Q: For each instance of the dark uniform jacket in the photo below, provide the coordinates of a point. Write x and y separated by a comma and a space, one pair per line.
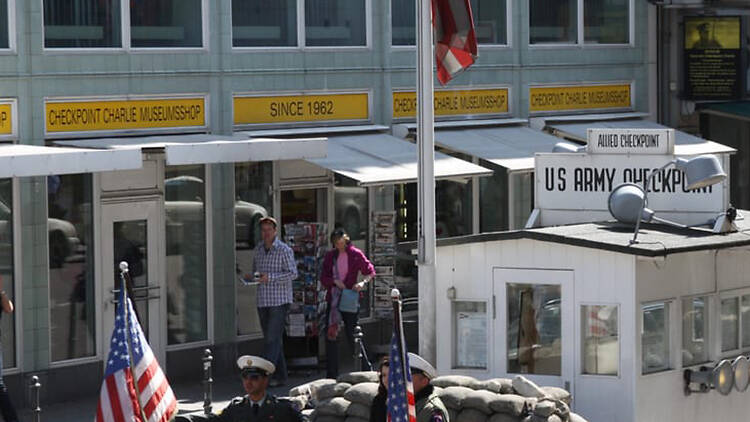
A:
241, 410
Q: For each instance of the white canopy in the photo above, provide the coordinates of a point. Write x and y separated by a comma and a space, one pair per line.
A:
32, 160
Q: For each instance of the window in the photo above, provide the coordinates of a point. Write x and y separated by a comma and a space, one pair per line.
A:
601, 346
745, 321
335, 23
490, 21
730, 324
99, 24
655, 337
260, 23
493, 201
71, 267
534, 329
82, 24
253, 187
184, 204
4, 25
8, 324
557, 21
694, 331
470, 335
452, 209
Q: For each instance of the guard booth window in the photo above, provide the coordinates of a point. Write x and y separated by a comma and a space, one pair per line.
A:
695, 325
601, 345
7, 325
80, 24
534, 329
655, 337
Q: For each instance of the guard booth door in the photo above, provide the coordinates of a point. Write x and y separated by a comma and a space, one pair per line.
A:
534, 325
131, 231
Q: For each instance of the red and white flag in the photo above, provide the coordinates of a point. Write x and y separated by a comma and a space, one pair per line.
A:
118, 400
455, 40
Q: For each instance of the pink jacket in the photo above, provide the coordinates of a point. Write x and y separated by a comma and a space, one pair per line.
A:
358, 262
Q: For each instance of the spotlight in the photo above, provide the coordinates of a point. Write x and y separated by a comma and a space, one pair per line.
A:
720, 378
741, 368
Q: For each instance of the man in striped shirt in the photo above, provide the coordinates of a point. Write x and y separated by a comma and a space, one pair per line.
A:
275, 262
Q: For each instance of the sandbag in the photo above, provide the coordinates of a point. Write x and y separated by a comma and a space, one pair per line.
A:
502, 417
554, 418
455, 381
358, 410
509, 404
525, 387
310, 388
453, 397
480, 400
545, 408
358, 377
335, 406
563, 411
575, 417
471, 415
362, 393
332, 390
452, 414
298, 402
558, 393
496, 385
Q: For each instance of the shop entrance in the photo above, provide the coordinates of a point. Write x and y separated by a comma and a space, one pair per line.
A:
131, 232
534, 328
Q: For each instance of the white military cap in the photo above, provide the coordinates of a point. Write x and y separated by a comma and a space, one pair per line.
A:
255, 365
417, 362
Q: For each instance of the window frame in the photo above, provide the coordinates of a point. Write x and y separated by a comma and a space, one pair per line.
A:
487, 338
301, 35
580, 28
730, 294
125, 36
582, 339
508, 36
712, 310
670, 335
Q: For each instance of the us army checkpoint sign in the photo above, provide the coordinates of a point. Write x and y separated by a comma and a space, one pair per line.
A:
571, 188
630, 141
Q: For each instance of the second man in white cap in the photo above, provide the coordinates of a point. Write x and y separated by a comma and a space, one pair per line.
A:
429, 407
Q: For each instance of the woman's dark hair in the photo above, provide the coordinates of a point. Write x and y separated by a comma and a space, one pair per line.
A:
338, 234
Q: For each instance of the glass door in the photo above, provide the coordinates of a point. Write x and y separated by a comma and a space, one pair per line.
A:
131, 233
534, 328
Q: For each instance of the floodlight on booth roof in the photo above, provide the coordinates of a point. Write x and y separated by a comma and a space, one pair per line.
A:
741, 368
627, 202
720, 378
568, 147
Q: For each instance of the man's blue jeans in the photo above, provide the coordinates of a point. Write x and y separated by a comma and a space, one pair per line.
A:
272, 321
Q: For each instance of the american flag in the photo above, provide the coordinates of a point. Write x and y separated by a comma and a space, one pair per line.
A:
118, 400
455, 40
400, 389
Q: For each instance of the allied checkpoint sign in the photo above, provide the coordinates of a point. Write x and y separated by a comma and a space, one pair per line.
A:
574, 187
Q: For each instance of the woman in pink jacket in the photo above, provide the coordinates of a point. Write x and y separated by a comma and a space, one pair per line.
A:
341, 267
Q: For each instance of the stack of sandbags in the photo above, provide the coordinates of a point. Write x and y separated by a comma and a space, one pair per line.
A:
348, 399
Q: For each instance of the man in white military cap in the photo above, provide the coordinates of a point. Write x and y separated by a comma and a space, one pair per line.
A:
257, 404
429, 407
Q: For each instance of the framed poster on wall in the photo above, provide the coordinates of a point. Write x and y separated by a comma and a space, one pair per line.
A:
712, 60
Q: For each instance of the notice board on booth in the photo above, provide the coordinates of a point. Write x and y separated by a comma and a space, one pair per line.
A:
712, 60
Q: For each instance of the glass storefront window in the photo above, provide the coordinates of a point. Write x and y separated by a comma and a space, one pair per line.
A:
470, 334
335, 23
82, 23
521, 184
493, 201
730, 324
453, 208
601, 343
490, 21
253, 187
185, 203
655, 337
166, 23
553, 21
8, 323
260, 23
534, 329
694, 331
71, 267
606, 21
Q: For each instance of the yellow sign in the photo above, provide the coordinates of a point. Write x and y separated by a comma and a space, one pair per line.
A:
84, 116
6, 119
301, 108
582, 97
454, 103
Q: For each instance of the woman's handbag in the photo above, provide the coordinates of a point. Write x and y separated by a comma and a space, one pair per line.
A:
349, 301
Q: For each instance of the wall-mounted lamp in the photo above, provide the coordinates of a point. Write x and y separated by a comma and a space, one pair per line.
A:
627, 202
741, 369
720, 378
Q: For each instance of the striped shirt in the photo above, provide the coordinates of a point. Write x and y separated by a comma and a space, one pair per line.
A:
278, 262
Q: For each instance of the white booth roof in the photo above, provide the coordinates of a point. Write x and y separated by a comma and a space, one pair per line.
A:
512, 147
32, 160
685, 143
378, 159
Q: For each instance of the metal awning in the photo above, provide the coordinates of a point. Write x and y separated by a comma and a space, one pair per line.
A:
32, 160
512, 147
207, 149
685, 143
378, 159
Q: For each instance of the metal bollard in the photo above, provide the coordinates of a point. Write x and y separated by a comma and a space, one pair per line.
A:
358, 348
207, 381
35, 387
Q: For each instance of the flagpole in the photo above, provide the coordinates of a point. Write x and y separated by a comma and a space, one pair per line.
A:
129, 341
425, 182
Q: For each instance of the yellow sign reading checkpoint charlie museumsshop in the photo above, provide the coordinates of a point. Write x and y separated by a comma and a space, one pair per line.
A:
579, 97
454, 102
300, 108
84, 116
